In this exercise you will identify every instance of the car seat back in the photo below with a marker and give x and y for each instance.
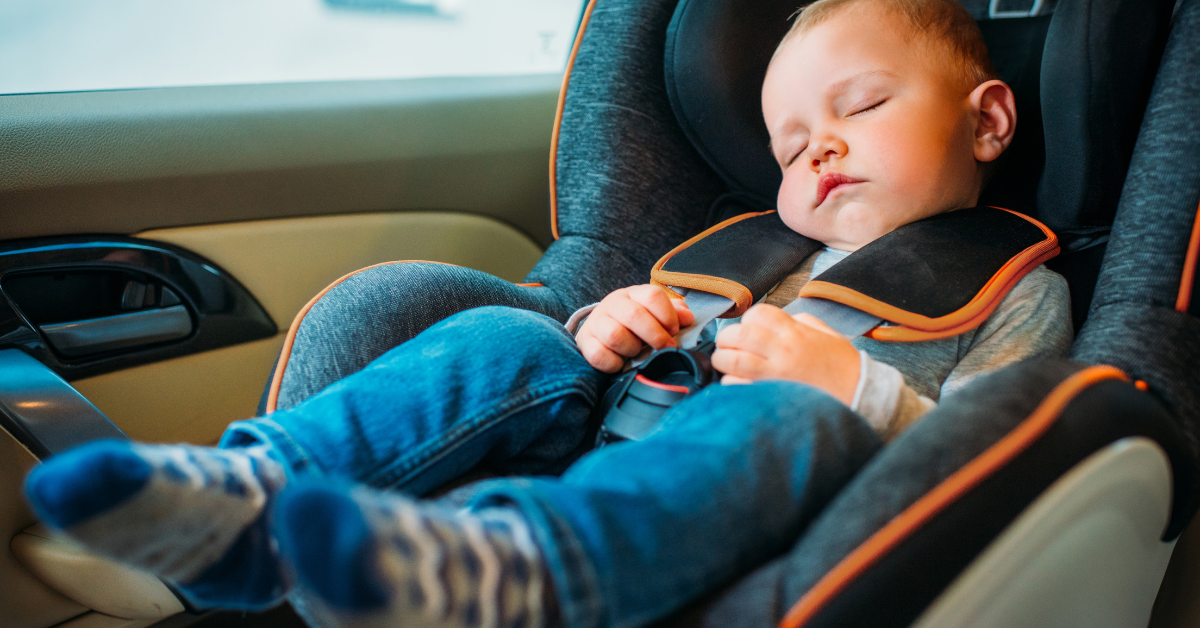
(1081, 76)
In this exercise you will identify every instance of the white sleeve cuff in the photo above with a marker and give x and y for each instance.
(576, 320)
(877, 393)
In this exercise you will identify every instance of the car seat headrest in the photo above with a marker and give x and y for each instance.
(1081, 76)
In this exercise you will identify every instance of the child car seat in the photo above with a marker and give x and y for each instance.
(1049, 493)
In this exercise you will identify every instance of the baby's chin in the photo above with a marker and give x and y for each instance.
(848, 225)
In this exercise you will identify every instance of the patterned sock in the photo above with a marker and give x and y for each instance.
(363, 558)
(190, 515)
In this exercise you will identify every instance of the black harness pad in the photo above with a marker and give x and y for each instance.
(934, 267)
(933, 278)
(754, 251)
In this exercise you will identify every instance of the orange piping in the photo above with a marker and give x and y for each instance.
(558, 114)
(963, 319)
(906, 334)
(727, 288)
(945, 493)
(1184, 300)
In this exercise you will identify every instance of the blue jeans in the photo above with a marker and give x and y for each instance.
(630, 532)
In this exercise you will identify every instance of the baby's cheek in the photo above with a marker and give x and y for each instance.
(794, 208)
(790, 192)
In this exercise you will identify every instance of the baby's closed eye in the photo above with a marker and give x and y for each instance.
(867, 108)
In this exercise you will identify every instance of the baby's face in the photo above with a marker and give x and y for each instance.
(872, 132)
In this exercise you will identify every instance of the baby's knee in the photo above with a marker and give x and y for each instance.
(508, 328)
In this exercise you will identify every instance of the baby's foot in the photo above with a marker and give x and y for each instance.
(365, 559)
(191, 515)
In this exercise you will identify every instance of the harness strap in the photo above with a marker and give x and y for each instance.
(934, 278)
(707, 307)
(845, 320)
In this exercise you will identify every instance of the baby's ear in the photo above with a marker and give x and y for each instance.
(996, 119)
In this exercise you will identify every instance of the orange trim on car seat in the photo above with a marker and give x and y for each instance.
(531, 285)
(1184, 300)
(947, 492)
(732, 290)
(558, 114)
(915, 327)
(277, 380)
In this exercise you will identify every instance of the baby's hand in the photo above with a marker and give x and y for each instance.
(628, 319)
(769, 344)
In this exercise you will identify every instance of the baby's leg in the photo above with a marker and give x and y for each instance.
(492, 385)
(629, 534)
(187, 514)
(504, 387)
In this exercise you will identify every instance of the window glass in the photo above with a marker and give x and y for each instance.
(72, 45)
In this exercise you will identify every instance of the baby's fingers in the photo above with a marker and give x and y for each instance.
(599, 356)
(686, 318)
(645, 327)
(740, 364)
(659, 305)
(615, 336)
(747, 337)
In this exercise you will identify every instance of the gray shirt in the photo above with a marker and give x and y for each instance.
(900, 381)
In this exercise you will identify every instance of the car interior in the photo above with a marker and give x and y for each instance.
(177, 256)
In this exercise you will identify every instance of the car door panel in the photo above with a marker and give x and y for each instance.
(25, 602)
(130, 160)
(285, 188)
(284, 263)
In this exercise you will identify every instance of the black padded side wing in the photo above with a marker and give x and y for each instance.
(741, 258)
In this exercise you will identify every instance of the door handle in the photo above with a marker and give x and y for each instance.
(96, 335)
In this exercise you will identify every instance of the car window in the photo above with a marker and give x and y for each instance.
(75, 45)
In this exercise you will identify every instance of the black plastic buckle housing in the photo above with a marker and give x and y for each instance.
(639, 398)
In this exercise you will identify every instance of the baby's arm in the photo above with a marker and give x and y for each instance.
(770, 344)
(1033, 320)
(627, 320)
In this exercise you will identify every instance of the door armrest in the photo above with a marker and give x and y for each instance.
(43, 412)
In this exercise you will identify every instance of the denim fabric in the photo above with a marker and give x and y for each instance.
(495, 386)
(959, 429)
(630, 532)
(377, 309)
(730, 478)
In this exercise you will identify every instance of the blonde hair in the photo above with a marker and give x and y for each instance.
(943, 23)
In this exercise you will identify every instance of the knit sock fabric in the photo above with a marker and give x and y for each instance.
(191, 515)
(363, 559)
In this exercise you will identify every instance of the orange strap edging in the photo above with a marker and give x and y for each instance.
(915, 327)
(727, 288)
(1184, 300)
(945, 493)
(558, 115)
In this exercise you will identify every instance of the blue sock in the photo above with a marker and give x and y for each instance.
(190, 515)
(366, 558)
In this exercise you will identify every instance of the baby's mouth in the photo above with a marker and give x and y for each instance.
(831, 181)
